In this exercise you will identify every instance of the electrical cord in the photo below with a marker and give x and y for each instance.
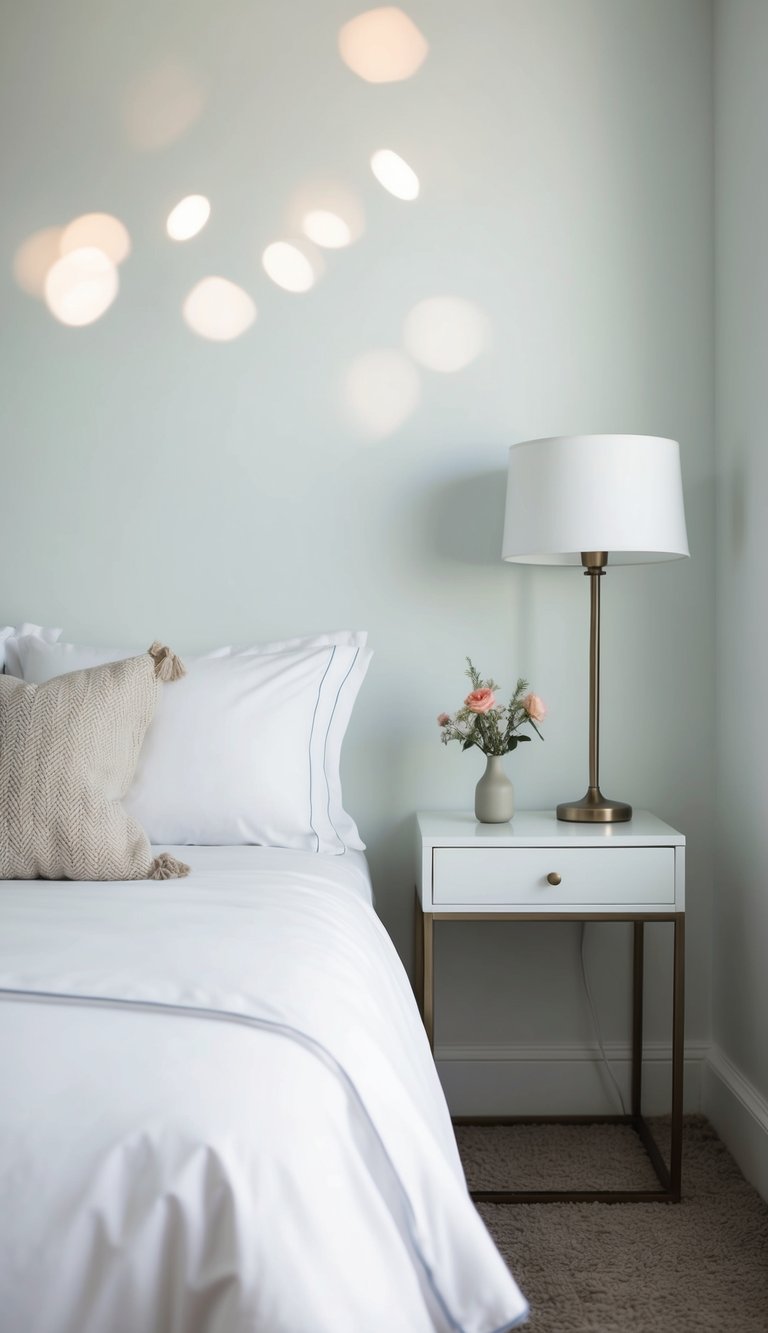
(595, 1023)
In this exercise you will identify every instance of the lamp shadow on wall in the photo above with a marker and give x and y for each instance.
(462, 523)
(465, 519)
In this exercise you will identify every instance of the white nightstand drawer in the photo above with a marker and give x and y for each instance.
(588, 875)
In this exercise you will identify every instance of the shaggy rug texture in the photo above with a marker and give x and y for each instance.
(624, 1268)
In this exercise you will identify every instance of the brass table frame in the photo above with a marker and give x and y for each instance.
(669, 1177)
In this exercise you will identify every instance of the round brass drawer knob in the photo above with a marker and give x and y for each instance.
(553, 877)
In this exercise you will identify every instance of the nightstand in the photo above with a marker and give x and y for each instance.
(539, 868)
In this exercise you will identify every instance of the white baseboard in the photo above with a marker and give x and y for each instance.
(561, 1080)
(739, 1113)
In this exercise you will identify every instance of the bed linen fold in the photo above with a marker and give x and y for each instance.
(224, 1100)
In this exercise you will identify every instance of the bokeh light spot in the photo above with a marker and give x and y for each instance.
(394, 174)
(382, 45)
(80, 286)
(35, 257)
(98, 231)
(325, 196)
(446, 333)
(289, 266)
(380, 390)
(188, 217)
(218, 309)
(326, 229)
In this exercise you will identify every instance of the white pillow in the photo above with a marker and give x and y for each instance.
(248, 750)
(9, 655)
(42, 659)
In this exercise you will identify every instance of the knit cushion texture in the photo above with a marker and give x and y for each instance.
(68, 750)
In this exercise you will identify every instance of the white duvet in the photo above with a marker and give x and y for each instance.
(219, 1113)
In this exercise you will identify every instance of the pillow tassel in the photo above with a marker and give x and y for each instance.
(167, 665)
(166, 866)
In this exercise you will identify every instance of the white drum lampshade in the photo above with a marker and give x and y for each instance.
(574, 493)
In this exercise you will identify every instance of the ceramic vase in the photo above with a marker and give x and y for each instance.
(494, 793)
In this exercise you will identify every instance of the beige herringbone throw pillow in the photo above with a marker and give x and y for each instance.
(68, 749)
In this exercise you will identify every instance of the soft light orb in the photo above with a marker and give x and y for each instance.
(80, 286)
(325, 195)
(326, 229)
(382, 45)
(288, 267)
(394, 174)
(380, 390)
(218, 309)
(188, 217)
(99, 231)
(34, 257)
(446, 333)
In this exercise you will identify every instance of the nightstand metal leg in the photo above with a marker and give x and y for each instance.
(418, 953)
(678, 1058)
(637, 1018)
(428, 985)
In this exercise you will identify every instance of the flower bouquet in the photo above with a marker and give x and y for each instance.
(494, 729)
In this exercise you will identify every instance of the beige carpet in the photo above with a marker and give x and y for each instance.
(624, 1268)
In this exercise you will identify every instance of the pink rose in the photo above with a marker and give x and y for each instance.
(480, 701)
(535, 707)
(443, 719)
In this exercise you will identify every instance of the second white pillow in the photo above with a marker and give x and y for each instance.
(248, 751)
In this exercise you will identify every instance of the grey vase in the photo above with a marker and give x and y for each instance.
(494, 793)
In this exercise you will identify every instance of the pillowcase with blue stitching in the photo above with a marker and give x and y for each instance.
(247, 748)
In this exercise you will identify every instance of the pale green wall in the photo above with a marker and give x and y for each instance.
(155, 484)
(741, 900)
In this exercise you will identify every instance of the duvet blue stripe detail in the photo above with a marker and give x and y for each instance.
(322, 1053)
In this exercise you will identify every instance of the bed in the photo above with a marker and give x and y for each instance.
(220, 1113)
(219, 1110)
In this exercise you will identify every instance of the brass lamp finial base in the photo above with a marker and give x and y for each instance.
(594, 808)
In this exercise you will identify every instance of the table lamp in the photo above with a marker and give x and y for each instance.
(578, 500)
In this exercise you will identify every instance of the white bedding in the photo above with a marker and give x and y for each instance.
(219, 1113)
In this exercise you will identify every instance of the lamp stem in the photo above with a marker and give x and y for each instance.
(594, 808)
(595, 573)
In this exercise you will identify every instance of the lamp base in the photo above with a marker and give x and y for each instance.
(594, 808)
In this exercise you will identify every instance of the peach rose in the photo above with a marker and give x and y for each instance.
(443, 719)
(480, 701)
(535, 707)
